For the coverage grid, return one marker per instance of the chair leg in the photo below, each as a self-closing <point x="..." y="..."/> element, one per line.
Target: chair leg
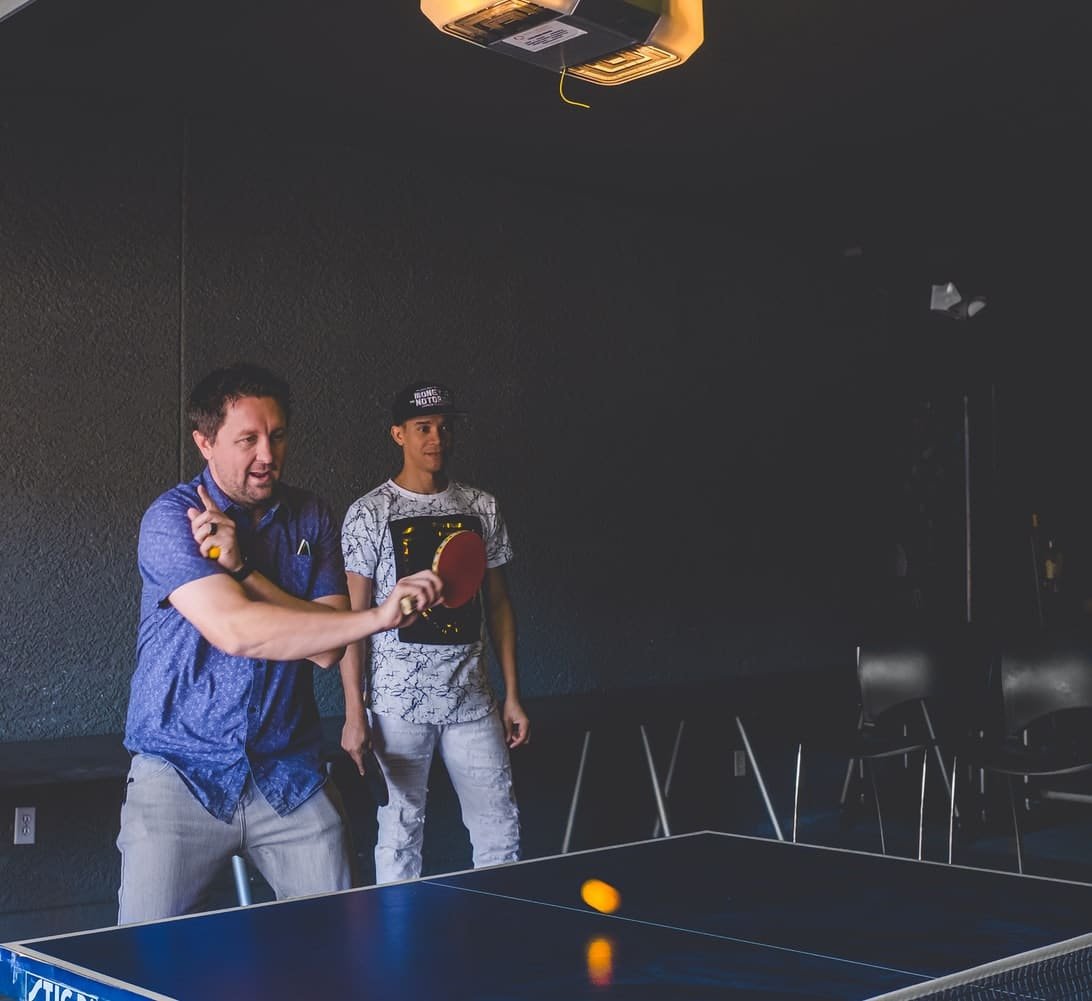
<point x="870" y="767"/>
<point x="848" y="780"/>
<point x="1016" y="825"/>
<point x="936" y="747"/>
<point x="921" y="806"/>
<point x="796" y="789"/>
<point x="850" y="766"/>
<point x="951" y="807"/>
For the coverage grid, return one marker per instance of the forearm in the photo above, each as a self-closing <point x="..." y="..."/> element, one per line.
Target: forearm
<point x="361" y="596"/>
<point x="220" y="610"/>
<point x="352" y="681"/>
<point x="258" y="587"/>
<point x="502" y="634"/>
<point x="501" y="619"/>
<point x="262" y="630"/>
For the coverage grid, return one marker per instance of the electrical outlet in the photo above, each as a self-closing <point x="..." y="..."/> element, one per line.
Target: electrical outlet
<point x="739" y="763"/>
<point x="26" y="821"/>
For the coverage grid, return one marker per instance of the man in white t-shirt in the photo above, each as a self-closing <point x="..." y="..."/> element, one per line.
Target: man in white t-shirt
<point x="412" y="691"/>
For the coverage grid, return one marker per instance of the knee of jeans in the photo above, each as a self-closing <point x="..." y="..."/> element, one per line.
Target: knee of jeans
<point x="497" y="841"/>
<point x="401" y="825"/>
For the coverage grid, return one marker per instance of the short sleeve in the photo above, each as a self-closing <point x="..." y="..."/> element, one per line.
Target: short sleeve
<point x="498" y="547"/>
<point x="167" y="554"/>
<point x="360" y="540"/>
<point x="329" y="570"/>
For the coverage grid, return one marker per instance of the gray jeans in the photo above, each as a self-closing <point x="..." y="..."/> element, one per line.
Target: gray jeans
<point x="476" y="759"/>
<point x="172" y="848"/>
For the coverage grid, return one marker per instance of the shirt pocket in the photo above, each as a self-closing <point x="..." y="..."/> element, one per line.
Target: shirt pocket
<point x="298" y="573"/>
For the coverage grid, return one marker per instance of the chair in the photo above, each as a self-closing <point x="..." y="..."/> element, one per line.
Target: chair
<point x="897" y="679"/>
<point x="1043" y="733"/>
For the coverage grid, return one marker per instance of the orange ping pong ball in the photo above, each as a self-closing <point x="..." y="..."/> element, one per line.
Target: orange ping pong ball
<point x="600" y="896"/>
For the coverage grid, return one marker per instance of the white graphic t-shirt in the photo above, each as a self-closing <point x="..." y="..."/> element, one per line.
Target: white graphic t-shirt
<point x="434" y="671"/>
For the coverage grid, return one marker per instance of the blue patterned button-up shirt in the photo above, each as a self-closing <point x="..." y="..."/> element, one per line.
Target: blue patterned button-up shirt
<point x="217" y="718"/>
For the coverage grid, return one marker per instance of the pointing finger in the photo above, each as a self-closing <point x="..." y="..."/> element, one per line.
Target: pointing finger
<point x="210" y="504"/>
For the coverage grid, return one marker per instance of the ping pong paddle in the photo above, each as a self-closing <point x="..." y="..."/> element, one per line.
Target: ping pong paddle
<point x="460" y="563"/>
<point x="374" y="778"/>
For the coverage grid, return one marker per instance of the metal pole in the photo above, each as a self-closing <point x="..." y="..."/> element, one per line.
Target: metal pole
<point x="758" y="779"/>
<point x="967" y="501"/>
<point x="670" y="771"/>
<point x="576" y="793"/>
<point x="656" y="791"/>
<point x="242" y="880"/>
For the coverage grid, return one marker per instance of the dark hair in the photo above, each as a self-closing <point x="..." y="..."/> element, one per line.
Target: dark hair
<point x="219" y="389"/>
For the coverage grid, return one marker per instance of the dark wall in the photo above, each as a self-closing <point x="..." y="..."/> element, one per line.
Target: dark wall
<point x="653" y="401"/>
<point x="89" y="316"/>
<point x="691" y="327"/>
<point x="664" y="408"/>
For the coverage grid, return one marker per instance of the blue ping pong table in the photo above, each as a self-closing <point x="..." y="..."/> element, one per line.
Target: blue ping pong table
<point x="702" y="916"/>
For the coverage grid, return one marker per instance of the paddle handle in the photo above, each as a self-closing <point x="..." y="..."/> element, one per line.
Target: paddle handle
<point x="408" y="606"/>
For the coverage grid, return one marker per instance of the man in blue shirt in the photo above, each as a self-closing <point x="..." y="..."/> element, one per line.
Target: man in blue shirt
<point x="243" y="592"/>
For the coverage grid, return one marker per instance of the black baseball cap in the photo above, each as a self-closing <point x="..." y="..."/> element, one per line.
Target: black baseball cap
<point x="421" y="399"/>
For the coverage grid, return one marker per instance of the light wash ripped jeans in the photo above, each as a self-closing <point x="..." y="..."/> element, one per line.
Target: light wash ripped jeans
<point x="476" y="758"/>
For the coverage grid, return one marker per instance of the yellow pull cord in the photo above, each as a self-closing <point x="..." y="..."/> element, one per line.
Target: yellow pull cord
<point x="561" y="91"/>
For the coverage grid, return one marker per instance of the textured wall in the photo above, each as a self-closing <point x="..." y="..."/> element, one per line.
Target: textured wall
<point x="630" y="403"/>
<point x="88" y="401"/>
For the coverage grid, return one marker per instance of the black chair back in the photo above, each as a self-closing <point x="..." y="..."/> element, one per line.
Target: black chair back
<point x="893" y="674"/>
<point x="1037" y="680"/>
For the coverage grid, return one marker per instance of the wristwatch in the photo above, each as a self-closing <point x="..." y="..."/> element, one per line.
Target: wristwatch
<point x="242" y="573"/>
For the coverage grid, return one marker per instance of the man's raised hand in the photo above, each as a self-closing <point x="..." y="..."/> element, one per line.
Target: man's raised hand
<point x="214" y="532"/>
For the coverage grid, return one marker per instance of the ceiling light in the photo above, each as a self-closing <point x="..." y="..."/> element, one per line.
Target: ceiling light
<point x="9" y="7"/>
<point x="601" y="41"/>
